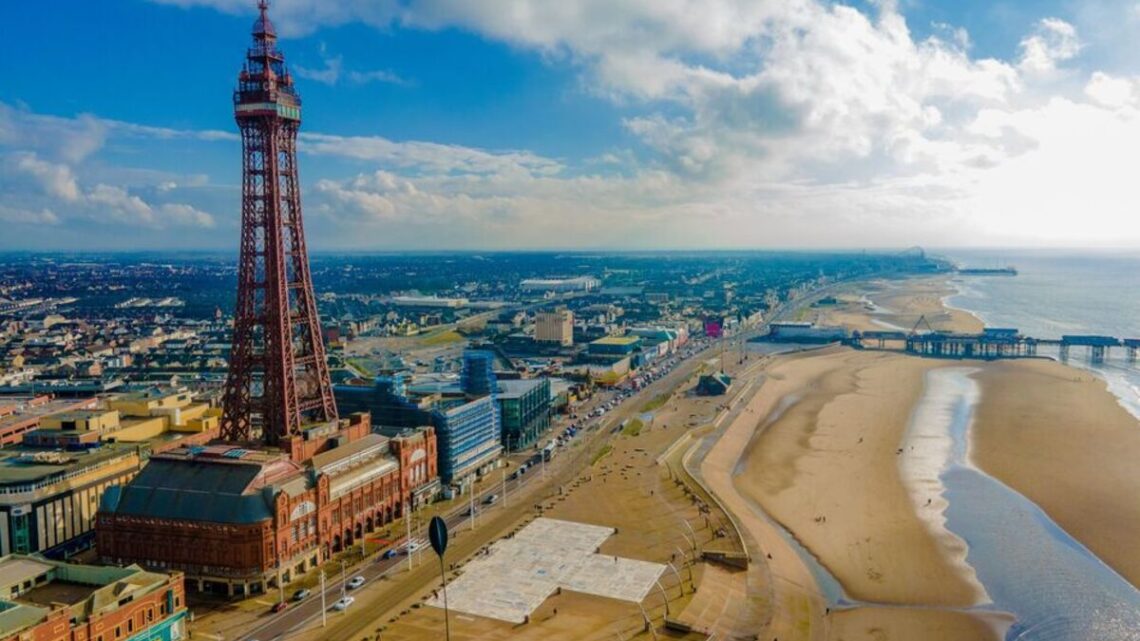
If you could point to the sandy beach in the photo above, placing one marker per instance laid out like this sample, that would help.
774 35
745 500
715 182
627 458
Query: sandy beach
896 304
828 470
827 435
1056 435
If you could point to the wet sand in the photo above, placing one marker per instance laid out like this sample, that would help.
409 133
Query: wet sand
828 470
1056 435
900 304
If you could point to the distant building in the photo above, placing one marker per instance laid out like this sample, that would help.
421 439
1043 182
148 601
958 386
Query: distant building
20 414
469 440
48 498
524 407
467 429
560 285
790 332
555 327
615 345
429 302
478 378
714 326
42 600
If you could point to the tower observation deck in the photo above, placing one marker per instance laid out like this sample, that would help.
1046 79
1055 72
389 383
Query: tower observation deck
278 379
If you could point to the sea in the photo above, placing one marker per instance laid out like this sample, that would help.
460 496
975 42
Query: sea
1057 589
1061 292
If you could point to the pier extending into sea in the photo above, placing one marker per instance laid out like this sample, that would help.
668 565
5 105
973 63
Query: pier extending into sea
991 343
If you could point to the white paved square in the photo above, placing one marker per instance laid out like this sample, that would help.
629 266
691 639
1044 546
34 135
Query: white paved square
518 574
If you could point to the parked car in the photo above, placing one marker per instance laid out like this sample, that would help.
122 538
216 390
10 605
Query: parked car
355 582
490 500
301 595
279 606
389 554
343 603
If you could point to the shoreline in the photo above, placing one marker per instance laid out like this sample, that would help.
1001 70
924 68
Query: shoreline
869 520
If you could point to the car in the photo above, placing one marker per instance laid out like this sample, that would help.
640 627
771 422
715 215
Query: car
389 554
301 595
279 606
490 500
470 511
343 603
355 582
414 546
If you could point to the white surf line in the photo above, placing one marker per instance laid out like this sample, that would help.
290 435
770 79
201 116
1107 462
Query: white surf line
927 450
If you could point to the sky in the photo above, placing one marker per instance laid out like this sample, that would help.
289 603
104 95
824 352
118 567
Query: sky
593 124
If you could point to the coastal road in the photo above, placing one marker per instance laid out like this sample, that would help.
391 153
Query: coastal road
596 432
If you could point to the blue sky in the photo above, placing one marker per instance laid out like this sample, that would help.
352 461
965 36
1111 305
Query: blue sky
597 124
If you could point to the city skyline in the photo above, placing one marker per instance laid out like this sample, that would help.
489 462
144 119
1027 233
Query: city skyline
739 125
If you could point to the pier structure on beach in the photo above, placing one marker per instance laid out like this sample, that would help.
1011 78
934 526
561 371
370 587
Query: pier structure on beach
991 343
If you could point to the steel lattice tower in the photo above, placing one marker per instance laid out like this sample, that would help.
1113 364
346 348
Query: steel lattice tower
278 378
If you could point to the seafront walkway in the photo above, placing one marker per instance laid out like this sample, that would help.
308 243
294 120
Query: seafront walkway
781 588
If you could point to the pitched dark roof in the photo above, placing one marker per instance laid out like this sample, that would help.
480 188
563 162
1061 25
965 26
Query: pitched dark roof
192 490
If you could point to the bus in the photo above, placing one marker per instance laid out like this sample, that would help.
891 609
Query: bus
548 451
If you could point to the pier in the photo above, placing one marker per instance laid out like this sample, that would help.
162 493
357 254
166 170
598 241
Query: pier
991 343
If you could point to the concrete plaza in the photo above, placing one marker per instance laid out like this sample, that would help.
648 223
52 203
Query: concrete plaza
516 575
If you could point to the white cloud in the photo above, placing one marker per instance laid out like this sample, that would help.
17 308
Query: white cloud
40 190
333 71
1054 41
1110 91
54 178
796 122
27 217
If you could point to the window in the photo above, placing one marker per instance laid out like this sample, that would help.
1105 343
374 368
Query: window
130 625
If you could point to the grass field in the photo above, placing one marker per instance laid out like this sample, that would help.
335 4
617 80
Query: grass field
441 338
633 427
657 402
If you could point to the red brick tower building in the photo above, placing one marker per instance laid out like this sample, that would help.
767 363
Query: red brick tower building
291 483
278 378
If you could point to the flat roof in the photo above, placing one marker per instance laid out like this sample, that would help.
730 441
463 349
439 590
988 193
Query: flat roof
30 412
14 470
514 388
15 571
359 446
616 340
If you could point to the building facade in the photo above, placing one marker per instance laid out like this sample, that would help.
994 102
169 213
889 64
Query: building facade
42 600
555 327
524 410
48 499
238 520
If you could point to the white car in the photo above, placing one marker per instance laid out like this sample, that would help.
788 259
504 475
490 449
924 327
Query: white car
356 582
414 546
343 603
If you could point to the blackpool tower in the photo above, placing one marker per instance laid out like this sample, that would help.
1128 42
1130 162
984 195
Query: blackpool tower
278 380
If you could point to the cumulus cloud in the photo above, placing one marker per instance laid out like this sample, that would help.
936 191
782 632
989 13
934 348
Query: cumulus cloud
43 157
757 123
1053 41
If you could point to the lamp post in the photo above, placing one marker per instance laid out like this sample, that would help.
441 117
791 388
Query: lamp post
437 533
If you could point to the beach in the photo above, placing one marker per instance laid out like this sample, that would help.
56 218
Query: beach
827 449
1056 435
